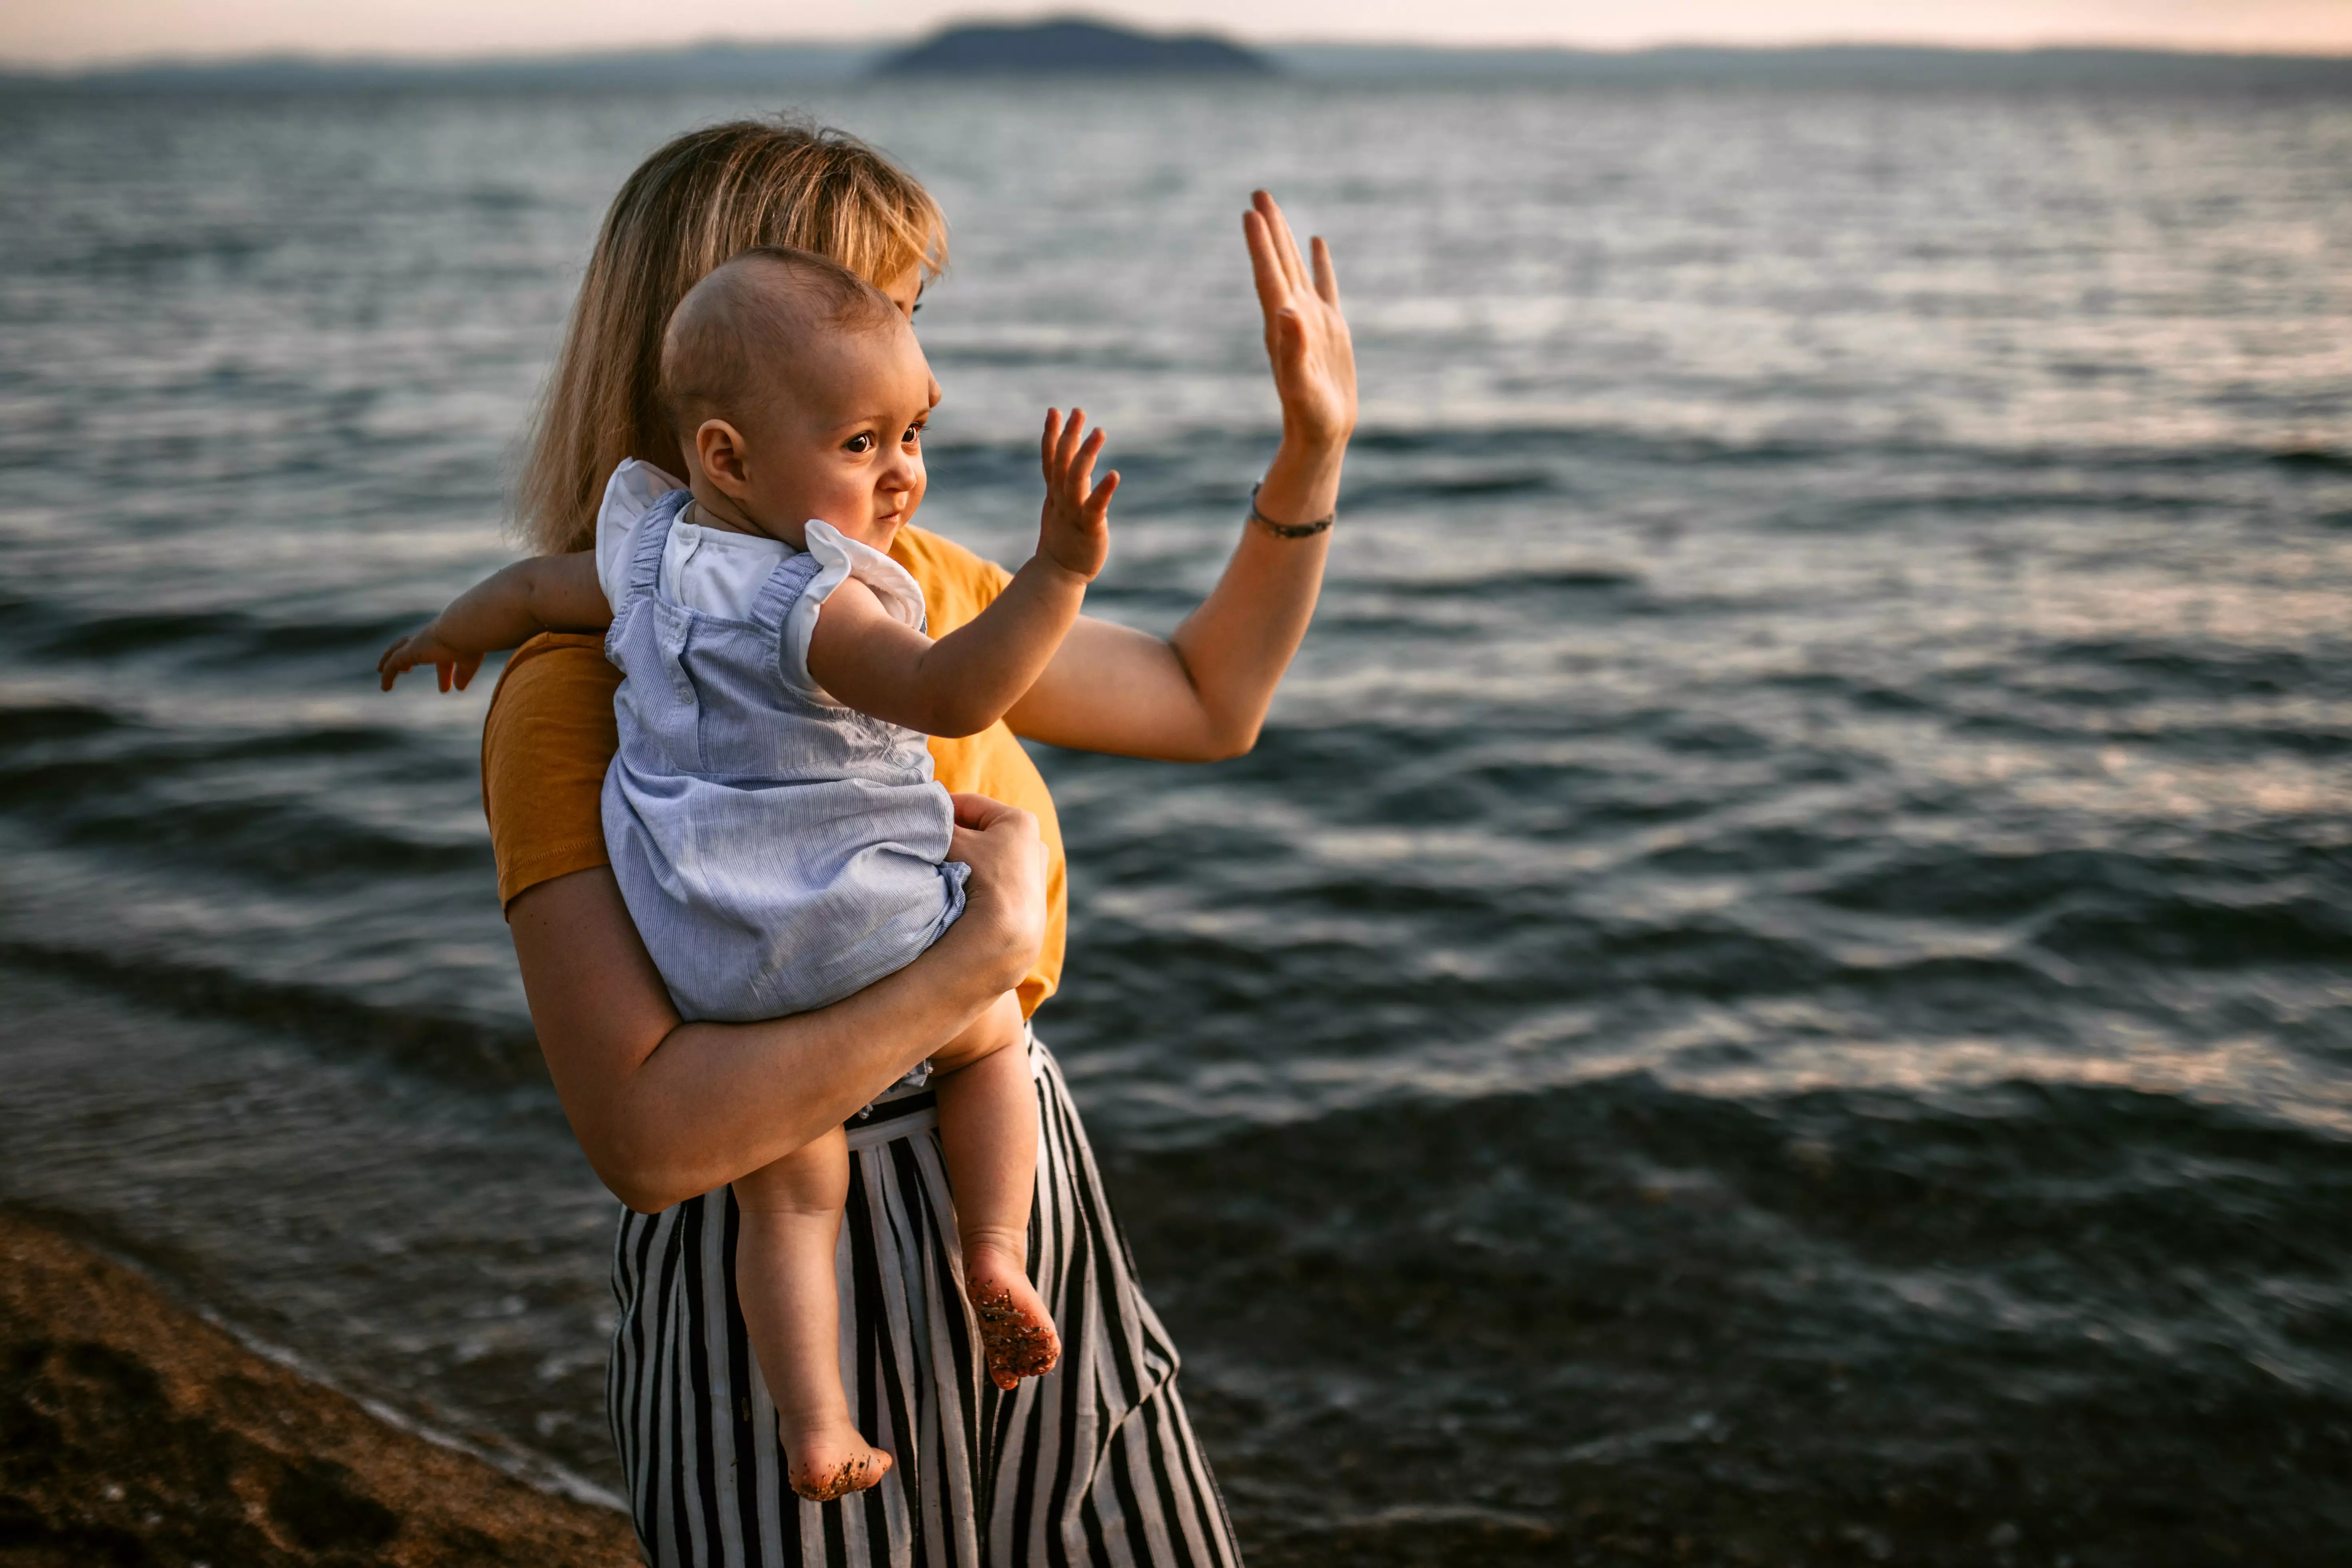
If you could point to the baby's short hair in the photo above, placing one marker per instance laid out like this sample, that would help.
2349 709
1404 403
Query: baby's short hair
747 318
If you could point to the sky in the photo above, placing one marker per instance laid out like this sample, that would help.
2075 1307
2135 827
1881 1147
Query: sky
64 32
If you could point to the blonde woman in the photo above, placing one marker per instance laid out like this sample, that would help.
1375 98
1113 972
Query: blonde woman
1096 1462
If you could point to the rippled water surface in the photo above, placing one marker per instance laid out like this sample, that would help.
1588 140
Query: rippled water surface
1776 990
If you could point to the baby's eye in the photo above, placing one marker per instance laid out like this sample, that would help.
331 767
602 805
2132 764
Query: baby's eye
861 443
913 437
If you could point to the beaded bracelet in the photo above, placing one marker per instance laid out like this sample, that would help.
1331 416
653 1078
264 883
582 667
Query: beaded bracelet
1287 530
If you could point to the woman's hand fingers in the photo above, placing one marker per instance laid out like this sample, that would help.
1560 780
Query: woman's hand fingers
981 812
1306 335
1286 244
1007 856
1265 267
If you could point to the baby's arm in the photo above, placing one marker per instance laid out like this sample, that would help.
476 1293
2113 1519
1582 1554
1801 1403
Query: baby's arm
546 594
964 682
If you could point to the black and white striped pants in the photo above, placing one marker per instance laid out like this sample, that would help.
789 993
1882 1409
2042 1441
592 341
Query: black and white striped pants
1092 1464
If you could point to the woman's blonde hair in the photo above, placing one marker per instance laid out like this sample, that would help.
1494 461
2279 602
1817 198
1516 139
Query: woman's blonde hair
709 196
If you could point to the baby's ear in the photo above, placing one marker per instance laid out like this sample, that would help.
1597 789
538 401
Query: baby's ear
718 450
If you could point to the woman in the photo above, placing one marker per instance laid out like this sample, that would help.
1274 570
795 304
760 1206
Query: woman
1095 1463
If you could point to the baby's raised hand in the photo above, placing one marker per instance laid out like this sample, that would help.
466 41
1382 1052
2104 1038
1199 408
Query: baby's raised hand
425 647
1073 531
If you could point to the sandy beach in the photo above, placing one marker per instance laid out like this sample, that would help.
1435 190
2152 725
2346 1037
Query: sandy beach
131 1430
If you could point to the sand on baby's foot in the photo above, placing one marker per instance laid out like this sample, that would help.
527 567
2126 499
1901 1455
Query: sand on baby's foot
1018 1336
832 1465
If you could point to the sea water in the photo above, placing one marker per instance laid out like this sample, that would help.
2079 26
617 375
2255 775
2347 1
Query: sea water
1778 982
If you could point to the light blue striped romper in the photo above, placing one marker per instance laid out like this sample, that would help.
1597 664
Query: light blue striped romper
777 850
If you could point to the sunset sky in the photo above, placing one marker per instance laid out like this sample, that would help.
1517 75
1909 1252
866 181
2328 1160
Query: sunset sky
74 32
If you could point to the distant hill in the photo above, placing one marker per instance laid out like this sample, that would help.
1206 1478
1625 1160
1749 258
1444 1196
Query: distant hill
1070 47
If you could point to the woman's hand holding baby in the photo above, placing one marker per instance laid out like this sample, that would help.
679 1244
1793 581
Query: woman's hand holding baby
1074 530
1005 898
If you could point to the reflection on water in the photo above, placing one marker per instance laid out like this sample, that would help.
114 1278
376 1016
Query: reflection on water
1778 976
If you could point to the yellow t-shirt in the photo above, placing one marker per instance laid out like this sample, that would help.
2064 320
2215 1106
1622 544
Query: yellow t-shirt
550 734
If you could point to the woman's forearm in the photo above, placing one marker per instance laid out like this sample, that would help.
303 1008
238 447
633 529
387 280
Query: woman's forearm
667 1111
1302 483
1235 647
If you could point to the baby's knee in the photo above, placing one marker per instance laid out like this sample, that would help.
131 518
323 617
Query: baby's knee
812 1180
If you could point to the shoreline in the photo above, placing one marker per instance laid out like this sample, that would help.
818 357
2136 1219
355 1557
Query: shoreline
133 1429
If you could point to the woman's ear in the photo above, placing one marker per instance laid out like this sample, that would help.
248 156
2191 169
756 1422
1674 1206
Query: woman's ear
719 447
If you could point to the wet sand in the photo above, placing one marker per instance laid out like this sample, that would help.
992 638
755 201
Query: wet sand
133 1431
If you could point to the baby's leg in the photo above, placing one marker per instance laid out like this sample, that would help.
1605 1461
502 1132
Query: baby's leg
988 1130
784 1276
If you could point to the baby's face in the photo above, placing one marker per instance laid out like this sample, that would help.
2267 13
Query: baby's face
842 439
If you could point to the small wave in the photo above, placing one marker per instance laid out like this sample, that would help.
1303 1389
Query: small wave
2313 459
1406 490
470 1053
261 838
2178 931
116 635
1569 580
35 724
2201 665
1683 448
219 634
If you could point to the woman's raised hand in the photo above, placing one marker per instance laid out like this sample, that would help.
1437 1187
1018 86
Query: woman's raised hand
1305 335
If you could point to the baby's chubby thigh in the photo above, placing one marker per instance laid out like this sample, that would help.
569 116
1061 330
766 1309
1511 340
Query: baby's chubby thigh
1000 1027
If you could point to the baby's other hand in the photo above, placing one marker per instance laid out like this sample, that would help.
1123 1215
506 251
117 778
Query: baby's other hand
455 669
1073 531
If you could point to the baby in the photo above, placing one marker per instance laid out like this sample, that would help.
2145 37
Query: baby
771 813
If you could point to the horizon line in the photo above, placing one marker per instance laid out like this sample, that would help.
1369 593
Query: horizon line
394 59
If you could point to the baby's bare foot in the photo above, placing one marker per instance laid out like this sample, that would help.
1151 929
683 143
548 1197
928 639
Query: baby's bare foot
1015 1330
829 1461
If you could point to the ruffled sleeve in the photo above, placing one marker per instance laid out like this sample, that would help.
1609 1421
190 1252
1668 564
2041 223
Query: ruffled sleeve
629 494
838 560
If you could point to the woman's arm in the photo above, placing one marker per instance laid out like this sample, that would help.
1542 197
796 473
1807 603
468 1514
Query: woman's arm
506 609
1201 693
667 1111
